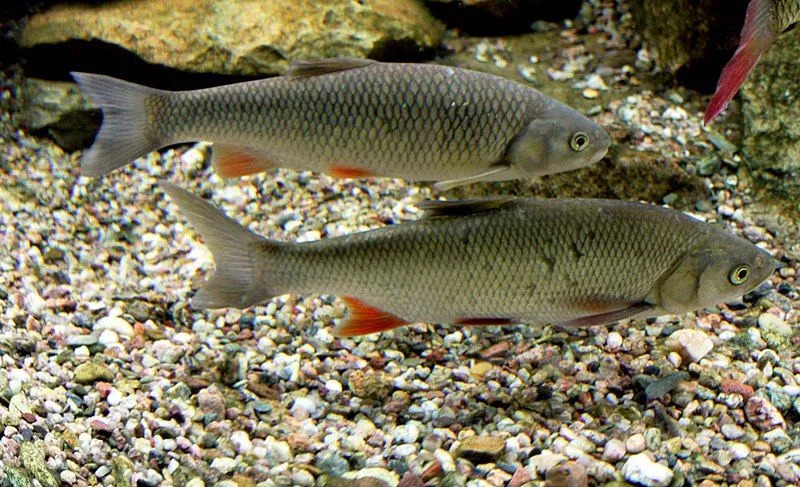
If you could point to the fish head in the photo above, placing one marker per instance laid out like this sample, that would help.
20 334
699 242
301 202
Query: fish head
720 268
563 143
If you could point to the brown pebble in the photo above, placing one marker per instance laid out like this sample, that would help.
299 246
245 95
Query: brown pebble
568 474
496 349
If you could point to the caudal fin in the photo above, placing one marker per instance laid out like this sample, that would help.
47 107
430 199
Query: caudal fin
123 135
238 254
760 30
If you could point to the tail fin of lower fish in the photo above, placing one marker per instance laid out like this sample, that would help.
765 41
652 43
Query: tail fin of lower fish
238 254
123 136
760 30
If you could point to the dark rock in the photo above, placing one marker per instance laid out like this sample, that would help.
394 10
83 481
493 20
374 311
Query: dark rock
496 17
58 109
692 39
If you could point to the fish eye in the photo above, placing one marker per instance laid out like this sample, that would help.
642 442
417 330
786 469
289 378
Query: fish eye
579 142
739 274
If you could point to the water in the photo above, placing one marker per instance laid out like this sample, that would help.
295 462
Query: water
109 374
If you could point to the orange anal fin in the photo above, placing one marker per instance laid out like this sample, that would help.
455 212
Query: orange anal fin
363 319
607 317
233 161
759 31
339 171
478 321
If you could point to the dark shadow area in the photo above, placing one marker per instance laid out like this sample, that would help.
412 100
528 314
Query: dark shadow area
505 17
55 61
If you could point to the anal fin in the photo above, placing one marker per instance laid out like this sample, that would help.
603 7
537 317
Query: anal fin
607 317
363 319
485 175
341 171
233 161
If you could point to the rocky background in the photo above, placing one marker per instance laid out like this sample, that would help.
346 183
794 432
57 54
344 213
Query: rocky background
108 376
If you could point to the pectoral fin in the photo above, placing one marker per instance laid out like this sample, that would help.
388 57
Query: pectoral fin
481 176
608 317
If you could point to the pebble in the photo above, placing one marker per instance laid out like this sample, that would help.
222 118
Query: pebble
639 469
691 343
732 431
241 442
90 372
481 449
223 464
635 443
302 478
614 341
114 324
614 450
406 433
167 352
81 340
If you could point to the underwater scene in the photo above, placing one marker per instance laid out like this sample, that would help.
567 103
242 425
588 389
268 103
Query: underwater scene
399 243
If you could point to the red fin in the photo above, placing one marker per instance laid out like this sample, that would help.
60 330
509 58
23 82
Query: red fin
485 321
348 172
232 161
363 319
760 30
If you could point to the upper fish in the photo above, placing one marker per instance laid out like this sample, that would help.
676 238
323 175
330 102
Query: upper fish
351 118
764 21
575 262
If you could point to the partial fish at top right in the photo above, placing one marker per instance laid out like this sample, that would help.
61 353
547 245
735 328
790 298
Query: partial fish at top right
764 21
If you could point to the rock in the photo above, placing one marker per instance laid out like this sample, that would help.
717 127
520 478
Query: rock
32 459
770 136
167 352
763 414
211 400
481 449
115 324
16 477
640 470
494 17
693 344
332 463
405 433
775 331
223 464
570 474
243 37
731 431
76 341
121 470
635 443
386 477
369 384
90 372
59 109
690 38
614 450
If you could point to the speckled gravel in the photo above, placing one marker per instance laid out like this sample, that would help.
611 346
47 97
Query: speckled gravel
108 376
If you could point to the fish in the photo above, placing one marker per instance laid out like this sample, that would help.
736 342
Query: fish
352 118
764 21
496 260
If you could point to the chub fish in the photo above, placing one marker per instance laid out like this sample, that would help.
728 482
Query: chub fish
500 260
351 118
764 21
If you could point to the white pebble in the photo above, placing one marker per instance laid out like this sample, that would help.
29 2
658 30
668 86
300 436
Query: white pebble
614 341
223 464
108 338
614 450
693 344
405 433
635 443
115 324
68 477
241 442
333 386
639 469
302 478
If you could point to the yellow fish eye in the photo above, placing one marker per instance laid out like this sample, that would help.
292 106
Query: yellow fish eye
739 274
579 142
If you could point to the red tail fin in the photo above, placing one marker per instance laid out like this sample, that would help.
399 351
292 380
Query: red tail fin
760 30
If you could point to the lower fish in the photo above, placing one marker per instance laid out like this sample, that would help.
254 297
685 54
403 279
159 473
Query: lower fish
351 118
500 260
764 21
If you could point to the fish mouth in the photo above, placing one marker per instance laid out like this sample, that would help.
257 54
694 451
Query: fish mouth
598 155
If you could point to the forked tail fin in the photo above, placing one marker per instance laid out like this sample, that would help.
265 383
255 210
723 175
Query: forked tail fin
760 30
124 134
239 254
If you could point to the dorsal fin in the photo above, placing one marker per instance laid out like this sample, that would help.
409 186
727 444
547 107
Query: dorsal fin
441 209
317 67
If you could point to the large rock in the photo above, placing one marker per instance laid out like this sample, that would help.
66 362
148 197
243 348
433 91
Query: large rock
487 17
770 111
692 39
243 37
59 109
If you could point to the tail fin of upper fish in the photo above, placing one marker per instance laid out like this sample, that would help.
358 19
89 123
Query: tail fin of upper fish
239 254
760 30
123 135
